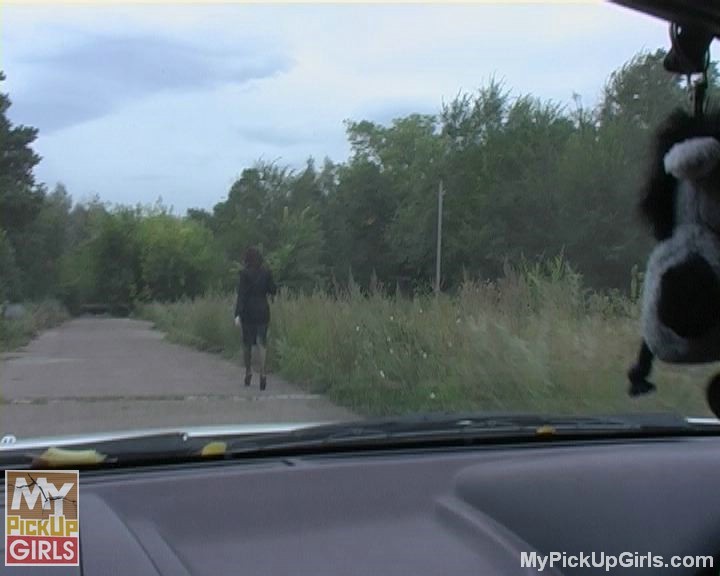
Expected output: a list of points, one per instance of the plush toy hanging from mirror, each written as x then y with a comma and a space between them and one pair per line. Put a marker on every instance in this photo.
681, 202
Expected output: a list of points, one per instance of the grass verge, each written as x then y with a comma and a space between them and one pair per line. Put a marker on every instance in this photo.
533, 341
15, 333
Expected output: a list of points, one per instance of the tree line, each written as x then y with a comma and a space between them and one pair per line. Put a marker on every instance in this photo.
524, 179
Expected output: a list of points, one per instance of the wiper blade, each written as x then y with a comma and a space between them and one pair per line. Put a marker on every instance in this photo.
444, 427
414, 430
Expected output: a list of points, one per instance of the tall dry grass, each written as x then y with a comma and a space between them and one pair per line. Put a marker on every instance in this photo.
535, 340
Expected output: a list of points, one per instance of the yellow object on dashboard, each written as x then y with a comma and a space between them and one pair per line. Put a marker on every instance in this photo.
64, 457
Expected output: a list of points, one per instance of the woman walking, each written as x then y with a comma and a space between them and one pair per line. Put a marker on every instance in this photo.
252, 311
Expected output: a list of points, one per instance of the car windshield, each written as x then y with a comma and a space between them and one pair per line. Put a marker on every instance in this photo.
258, 214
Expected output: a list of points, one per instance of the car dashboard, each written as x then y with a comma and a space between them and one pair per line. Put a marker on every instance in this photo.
465, 511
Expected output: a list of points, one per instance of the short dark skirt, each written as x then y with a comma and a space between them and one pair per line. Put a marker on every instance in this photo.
254, 334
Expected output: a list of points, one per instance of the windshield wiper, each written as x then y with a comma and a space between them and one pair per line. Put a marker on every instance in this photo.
409, 431
454, 428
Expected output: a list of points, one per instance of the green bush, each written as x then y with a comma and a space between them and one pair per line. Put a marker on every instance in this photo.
179, 258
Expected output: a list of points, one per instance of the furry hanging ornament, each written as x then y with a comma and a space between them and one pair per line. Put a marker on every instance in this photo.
681, 298
681, 202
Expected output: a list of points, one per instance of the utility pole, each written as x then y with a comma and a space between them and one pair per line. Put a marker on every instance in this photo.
438, 255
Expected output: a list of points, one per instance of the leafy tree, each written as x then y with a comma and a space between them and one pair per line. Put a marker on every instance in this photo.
20, 198
201, 217
305, 189
356, 220
641, 93
297, 258
253, 210
9, 279
46, 240
178, 258
104, 268
501, 175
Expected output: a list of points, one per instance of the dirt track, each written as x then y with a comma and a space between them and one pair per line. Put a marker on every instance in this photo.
98, 374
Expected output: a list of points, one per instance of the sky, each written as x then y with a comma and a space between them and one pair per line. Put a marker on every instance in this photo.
139, 102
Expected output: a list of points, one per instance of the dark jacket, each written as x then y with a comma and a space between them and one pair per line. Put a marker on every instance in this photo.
254, 287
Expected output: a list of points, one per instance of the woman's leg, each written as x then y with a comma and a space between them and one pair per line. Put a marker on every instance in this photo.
248, 339
247, 357
262, 354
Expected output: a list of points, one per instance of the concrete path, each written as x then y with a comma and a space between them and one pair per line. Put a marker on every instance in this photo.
101, 375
